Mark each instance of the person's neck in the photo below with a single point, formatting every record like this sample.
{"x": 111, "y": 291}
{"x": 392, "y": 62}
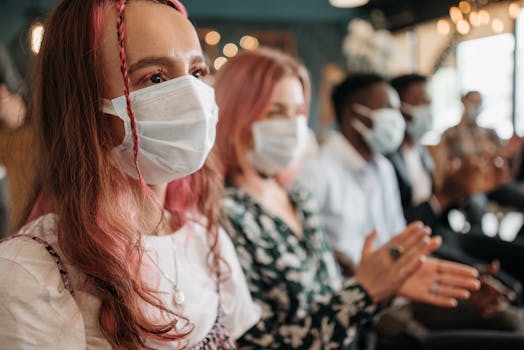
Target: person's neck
{"x": 468, "y": 121}
{"x": 258, "y": 187}
{"x": 159, "y": 221}
{"x": 408, "y": 142}
{"x": 357, "y": 141}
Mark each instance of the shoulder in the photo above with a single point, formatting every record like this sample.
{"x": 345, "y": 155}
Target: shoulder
{"x": 384, "y": 165}
{"x": 36, "y": 307}
{"x": 24, "y": 249}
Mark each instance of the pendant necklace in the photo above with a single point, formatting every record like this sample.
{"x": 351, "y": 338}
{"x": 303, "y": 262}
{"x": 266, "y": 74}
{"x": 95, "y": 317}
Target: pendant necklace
{"x": 178, "y": 295}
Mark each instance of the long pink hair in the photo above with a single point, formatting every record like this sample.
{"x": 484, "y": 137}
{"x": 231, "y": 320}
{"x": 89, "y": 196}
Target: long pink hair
{"x": 101, "y": 212}
{"x": 244, "y": 88}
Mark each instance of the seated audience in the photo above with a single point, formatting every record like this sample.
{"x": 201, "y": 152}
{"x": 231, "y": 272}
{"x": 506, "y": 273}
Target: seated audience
{"x": 352, "y": 180}
{"x": 263, "y": 97}
{"x": 423, "y": 201}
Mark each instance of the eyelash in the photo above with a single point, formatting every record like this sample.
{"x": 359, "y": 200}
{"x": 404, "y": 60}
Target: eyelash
{"x": 148, "y": 77}
{"x": 197, "y": 73}
{"x": 202, "y": 71}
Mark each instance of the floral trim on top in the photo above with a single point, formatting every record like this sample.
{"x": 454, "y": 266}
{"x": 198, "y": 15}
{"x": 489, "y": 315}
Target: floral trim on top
{"x": 305, "y": 302}
{"x": 218, "y": 337}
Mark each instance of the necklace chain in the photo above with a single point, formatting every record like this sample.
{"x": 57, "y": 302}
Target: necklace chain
{"x": 178, "y": 298}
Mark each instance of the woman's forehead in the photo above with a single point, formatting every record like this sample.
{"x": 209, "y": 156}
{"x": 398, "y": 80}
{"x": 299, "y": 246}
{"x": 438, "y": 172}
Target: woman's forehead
{"x": 151, "y": 29}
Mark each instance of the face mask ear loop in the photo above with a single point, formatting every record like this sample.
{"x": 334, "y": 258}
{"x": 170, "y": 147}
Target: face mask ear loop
{"x": 362, "y": 110}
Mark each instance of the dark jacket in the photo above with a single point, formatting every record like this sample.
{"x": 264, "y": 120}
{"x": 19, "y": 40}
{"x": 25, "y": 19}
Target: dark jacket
{"x": 423, "y": 212}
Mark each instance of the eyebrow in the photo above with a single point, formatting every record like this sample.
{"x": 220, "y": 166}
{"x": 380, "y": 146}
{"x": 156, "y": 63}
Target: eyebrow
{"x": 198, "y": 59}
{"x": 161, "y": 61}
{"x": 282, "y": 105}
{"x": 150, "y": 61}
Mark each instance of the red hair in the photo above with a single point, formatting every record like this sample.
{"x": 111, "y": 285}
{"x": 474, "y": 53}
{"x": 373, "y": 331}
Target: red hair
{"x": 101, "y": 212}
{"x": 244, "y": 89}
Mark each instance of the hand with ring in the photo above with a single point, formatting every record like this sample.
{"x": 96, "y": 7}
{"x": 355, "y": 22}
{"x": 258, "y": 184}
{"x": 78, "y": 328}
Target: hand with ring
{"x": 440, "y": 283}
{"x": 384, "y": 270}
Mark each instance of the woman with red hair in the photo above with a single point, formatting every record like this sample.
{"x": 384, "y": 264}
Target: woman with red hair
{"x": 122, "y": 248}
{"x": 263, "y": 98}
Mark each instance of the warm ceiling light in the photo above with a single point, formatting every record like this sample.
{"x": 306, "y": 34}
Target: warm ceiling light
{"x": 497, "y": 26}
{"x": 348, "y": 3}
{"x": 37, "y": 33}
{"x": 212, "y": 38}
{"x": 230, "y": 50}
{"x": 443, "y": 26}
{"x": 465, "y": 7}
{"x": 455, "y": 14}
{"x": 463, "y": 27}
{"x": 484, "y": 17}
{"x": 514, "y": 10}
{"x": 474, "y": 19}
{"x": 219, "y": 62}
{"x": 249, "y": 42}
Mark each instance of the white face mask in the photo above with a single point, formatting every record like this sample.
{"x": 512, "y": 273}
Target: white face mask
{"x": 278, "y": 144}
{"x": 388, "y": 131}
{"x": 176, "y": 123}
{"x": 422, "y": 121}
{"x": 473, "y": 112}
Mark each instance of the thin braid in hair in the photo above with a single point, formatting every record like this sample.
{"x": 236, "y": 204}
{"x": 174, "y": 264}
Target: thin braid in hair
{"x": 121, "y": 32}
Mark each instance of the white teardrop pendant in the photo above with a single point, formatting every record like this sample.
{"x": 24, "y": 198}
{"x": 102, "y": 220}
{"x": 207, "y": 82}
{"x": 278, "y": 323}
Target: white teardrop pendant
{"x": 179, "y": 297}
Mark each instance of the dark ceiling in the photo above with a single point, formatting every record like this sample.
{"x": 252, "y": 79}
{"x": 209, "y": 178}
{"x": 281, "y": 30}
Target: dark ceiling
{"x": 395, "y": 14}
{"x": 400, "y": 14}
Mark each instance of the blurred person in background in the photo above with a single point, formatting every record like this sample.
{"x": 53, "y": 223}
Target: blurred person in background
{"x": 422, "y": 201}
{"x": 468, "y": 142}
{"x": 12, "y": 115}
{"x": 355, "y": 183}
{"x": 263, "y": 98}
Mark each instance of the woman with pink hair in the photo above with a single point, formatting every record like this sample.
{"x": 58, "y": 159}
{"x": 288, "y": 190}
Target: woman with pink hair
{"x": 263, "y": 97}
{"x": 122, "y": 248}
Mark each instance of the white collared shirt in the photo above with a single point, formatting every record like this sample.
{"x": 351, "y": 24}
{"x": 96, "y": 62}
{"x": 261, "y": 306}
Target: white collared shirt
{"x": 421, "y": 181}
{"x": 355, "y": 196}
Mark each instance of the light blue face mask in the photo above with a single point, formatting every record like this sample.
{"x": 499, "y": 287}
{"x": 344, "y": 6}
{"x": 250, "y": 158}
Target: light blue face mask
{"x": 388, "y": 130}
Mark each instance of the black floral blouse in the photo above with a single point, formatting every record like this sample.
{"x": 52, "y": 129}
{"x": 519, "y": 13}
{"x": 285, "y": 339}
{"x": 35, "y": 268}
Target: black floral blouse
{"x": 305, "y": 302}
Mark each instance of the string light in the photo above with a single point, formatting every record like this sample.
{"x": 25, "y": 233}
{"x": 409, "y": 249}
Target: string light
{"x": 249, "y": 42}
{"x": 497, "y": 26}
{"x": 474, "y": 19}
{"x": 443, "y": 26}
{"x": 37, "y": 34}
{"x": 514, "y": 10}
{"x": 463, "y": 27}
{"x": 219, "y": 62}
{"x": 484, "y": 17}
{"x": 455, "y": 14}
{"x": 212, "y": 38}
{"x": 230, "y": 50}
{"x": 465, "y": 7}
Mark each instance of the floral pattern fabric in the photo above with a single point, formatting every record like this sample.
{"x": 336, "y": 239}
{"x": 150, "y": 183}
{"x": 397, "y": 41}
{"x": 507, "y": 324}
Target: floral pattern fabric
{"x": 305, "y": 302}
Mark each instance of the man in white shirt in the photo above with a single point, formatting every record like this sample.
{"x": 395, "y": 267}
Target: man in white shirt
{"x": 357, "y": 189}
{"x": 353, "y": 182}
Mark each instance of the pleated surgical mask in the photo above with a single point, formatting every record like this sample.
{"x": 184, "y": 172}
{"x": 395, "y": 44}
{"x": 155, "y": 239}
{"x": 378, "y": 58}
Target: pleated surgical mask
{"x": 278, "y": 143}
{"x": 176, "y": 125}
{"x": 388, "y": 130}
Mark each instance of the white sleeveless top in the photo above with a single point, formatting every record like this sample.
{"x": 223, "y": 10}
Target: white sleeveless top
{"x": 38, "y": 312}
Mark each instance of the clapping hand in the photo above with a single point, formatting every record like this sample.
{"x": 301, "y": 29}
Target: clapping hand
{"x": 384, "y": 270}
{"x": 440, "y": 283}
